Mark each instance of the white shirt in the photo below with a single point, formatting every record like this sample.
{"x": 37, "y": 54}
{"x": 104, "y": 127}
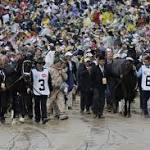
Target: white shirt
{"x": 49, "y": 59}
{"x": 40, "y": 82}
{"x": 102, "y": 69}
{"x": 6, "y": 18}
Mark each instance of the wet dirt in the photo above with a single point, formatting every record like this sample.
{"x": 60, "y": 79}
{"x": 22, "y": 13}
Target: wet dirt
{"x": 79, "y": 132}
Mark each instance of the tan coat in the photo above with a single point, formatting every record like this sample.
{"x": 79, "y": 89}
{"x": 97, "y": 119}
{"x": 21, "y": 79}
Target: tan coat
{"x": 57, "y": 101}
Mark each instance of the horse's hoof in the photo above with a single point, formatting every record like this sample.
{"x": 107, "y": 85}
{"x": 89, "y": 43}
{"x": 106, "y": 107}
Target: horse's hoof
{"x": 101, "y": 117}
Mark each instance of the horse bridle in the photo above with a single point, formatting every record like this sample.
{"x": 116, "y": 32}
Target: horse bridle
{"x": 17, "y": 80}
{"x": 23, "y": 71}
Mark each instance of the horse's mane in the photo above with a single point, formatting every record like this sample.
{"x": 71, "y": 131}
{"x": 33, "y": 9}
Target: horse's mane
{"x": 117, "y": 66}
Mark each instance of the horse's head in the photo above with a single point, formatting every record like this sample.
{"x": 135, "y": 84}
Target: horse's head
{"x": 129, "y": 65}
{"x": 26, "y": 69}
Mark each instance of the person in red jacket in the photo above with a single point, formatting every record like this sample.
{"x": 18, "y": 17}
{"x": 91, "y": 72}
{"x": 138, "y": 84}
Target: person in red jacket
{"x": 96, "y": 17}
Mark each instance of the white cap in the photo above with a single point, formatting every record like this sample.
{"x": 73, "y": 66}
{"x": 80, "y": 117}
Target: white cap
{"x": 129, "y": 58}
{"x": 68, "y": 54}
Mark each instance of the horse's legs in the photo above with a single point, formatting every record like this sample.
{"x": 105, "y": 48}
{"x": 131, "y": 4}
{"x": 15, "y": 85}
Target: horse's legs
{"x": 15, "y": 104}
{"x": 115, "y": 106}
{"x": 125, "y": 108}
{"x": 129, "y": 109}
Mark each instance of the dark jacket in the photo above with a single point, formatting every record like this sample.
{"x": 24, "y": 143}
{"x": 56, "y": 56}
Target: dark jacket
{"x": 97, "y": 77}
{"x": 84, "y": 79}
{"x": 72, "y": 75}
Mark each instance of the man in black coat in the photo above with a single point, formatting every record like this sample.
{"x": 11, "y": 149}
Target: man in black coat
{"x": 85, "y": 85}
{"x": 99, "y": 81}
{"x": 2, "y": 93}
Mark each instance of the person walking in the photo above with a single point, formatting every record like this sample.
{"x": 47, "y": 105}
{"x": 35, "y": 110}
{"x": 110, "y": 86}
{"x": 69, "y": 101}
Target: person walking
{"x": 99, "y": 86}
{"x": 144, "y": 73}
{"x": 42, "y": 86}
{"x": 85, "y": 85}
{"x": 58, "y": 72}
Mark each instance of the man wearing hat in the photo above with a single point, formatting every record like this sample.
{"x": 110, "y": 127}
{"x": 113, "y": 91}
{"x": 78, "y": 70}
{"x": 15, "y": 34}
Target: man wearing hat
{"x": 144, "y": 73}
{"x": 99, "y": 79}
{"x": 85, "y": 84}
{"x": 60, "y": 88}
{"x": 42, "y": 86}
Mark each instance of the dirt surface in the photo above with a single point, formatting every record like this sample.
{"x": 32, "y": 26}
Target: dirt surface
{"x": 79, "y": 132}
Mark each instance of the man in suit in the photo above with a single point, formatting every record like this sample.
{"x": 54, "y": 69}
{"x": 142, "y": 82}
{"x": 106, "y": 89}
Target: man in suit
{"x": 99, "y": 85}
{"x": 85, "y": 85}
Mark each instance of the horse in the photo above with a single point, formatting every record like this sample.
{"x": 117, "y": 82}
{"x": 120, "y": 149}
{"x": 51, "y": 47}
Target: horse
{"x": 125, "y": 81}
{"x": 17, "y": 82}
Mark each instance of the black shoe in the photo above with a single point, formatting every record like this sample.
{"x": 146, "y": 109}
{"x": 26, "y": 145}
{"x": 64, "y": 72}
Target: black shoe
{"x": 30, "y": 117}
{"x": 88, "y": 112}
{"x": 37, "y": 121}
{"x": 44, "y": 121}
{"x": 57, "y": 116}
{"x": 69, "y": 108}
{"x": 101, "y": 117}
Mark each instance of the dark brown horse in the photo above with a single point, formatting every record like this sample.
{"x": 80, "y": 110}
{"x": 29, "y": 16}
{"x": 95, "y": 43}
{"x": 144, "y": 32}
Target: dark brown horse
{"x": 124, "y": 75}
{"x": 17, "y": 82}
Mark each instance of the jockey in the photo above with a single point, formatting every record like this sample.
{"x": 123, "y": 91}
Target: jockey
{"x": 144, "y": 72}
